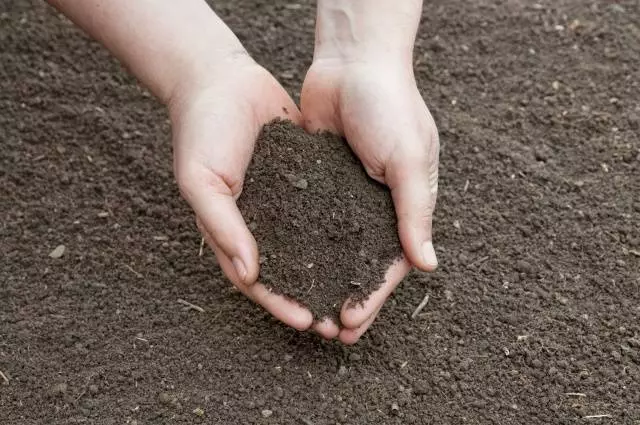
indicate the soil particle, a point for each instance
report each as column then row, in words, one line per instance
column 58, row 390
column 167, row 399
column 355, row 357
column 312, row 238
column 543, row 153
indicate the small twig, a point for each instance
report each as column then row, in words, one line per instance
column 422, row 305
column 575, row 394
column 597, row 416
column 190, row 305
column 479, row 261
column 311, row 287
column 84, row 389
column 354, row 283
column 466, row 186
column 133, row 271
column 4, row 377
column 201, row 248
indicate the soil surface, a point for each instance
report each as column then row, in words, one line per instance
column 534, row 312
column 325, row 230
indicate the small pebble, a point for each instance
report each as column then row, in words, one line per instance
column 267, row 413
column 198, row 411
column 562, row 300
column 465, row 364
column 279, row 392
column 165, row 398
column 448, row 295
column 297, row 182
column 58, row 390
column 355, row 357
column 58, row 251
column 342, row 370
column 542, row 153
column 523, row 267
column 301, row 184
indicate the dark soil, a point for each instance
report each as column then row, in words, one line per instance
column 534, row 312
column 325, row 230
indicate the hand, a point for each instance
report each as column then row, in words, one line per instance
column 376, row 105
column 215, row 125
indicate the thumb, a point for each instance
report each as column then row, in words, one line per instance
column 215, row 130
column 413, row 180
column 214, row 204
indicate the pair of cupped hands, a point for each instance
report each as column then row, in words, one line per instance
column 374, row 103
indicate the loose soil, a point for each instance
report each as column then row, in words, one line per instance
column 325, row 230
column 533, row 315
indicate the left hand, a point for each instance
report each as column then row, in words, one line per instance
column 377, row 107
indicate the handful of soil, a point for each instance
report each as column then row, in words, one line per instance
column 325, row 230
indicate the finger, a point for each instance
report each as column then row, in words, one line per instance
column 351, row 336
column 327, row 328
column 287, row 311
column 220, row 217
column 353, row 316
column 413, row 181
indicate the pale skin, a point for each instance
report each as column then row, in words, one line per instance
column 360, row 85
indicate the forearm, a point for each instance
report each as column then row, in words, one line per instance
column 354, row 30
column 164, row 43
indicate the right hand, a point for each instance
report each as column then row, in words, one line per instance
column 376, row 105
column 215, row 125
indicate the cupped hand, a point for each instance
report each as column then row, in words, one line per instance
column 215, row 125
column 376, row 105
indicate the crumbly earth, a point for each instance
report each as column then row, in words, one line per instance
column 533, row 315
column 325, row 230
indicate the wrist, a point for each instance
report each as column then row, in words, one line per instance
column 202, row 78
column 364, row 31
column 202, row 63
column 199, row 72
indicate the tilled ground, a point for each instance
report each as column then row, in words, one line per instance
column 533, row 315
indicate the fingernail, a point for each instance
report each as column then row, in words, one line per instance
column 429, row 254
column 240, row 268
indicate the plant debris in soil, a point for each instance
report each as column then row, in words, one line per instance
column 326, row 231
